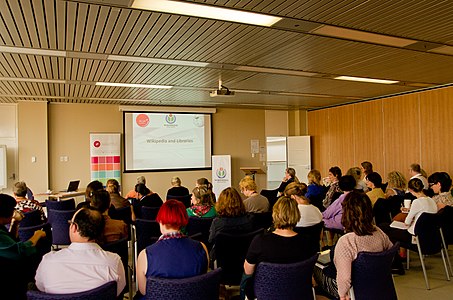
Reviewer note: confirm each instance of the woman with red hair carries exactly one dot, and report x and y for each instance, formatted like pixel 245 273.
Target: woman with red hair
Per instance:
pixel 174 255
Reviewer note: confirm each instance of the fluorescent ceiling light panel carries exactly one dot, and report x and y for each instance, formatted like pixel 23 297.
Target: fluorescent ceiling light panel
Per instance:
pixel 443 50
pixel 32 51
pixel 135 85
pixel 362 79
pixel 362 36
pixel 161 61
pixel 38 80
pixel 206 11
pixel 274 71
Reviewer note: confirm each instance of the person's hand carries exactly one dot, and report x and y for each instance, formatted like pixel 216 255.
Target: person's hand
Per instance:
pixel 39 234
pixel 18 216
pixel 404 210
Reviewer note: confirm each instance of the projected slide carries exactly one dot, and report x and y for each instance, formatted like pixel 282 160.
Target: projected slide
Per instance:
pixel 162 141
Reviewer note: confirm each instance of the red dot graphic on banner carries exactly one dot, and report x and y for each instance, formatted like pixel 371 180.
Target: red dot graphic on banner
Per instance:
pixel 142 120
pixel 97 144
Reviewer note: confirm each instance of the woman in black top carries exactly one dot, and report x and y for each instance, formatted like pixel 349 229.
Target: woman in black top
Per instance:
pixel 290 176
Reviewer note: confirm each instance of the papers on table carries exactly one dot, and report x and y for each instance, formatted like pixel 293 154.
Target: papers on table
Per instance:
pixel 323 259
pixel 399 225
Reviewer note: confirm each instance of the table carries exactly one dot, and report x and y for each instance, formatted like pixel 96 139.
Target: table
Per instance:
pixel 62 195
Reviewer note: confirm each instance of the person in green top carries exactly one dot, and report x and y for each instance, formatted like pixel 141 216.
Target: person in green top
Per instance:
pixel 202 203
pixel 10 247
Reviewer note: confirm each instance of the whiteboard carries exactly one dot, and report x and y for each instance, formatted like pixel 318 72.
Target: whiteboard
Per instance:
pixel 3 179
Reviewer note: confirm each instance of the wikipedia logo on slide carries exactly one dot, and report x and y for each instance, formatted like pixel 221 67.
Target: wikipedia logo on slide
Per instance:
pixel 170 119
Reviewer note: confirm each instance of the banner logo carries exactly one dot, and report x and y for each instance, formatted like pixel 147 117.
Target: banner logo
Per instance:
pixel 142 120
pixel 171 119
pixel 221 172
pixel 97 144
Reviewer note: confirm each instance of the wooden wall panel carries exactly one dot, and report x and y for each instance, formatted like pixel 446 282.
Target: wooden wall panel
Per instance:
pixel 436 110
pixel 369 134
pixel 341 141
pixel 401 133
pixel 318 129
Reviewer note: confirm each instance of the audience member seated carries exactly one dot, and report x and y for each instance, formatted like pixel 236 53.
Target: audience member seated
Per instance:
pixel 440 183
pixel 83 265
pixel 396 184
pixel 91 187
pixel 177 189
pixel 367 168
pixel 204 181
pixel 10 246
pixel 255 203
pixel 145 198
pixel 232 216
pixel 174 255
pixel 316 191
pixel 114 230
pixel 374 183
pixel 22 203
pixel 421 204
pixel 290 176
pixel 202 203
pixel 356 172
pixel 361 236
pixel 415 171
pixel 283 245
pixel 309 214
pixel 334 190
pixel 133 193
pixel 113 188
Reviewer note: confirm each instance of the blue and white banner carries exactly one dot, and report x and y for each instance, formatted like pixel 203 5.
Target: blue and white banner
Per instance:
pixel 221 173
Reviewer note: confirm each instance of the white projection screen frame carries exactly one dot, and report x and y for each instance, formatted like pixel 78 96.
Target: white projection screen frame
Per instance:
pixel 164 141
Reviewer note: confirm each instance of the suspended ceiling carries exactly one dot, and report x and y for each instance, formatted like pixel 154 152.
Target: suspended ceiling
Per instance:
pixel 291 65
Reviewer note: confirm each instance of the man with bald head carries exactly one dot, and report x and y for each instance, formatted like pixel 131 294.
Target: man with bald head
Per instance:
pixel 83 265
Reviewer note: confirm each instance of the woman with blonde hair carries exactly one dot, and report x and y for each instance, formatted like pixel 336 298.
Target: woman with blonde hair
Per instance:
pixel 357 174
pixel 202 203
pixel 309 214
pixel 283 245
pixel 177 189
pixel 316 191
pixel 231 215
pixel 397 184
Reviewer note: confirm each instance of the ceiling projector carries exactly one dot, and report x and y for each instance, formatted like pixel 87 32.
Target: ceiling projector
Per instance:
pixel 223 91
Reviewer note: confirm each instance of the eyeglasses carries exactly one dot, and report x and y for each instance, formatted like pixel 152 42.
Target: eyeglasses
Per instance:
pixel 71 222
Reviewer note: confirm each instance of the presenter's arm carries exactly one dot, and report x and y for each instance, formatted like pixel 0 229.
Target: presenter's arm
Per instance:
pixel 142 265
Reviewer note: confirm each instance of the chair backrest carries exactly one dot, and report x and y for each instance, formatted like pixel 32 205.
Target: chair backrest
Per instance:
pixel 104 292
pixel 427 231
pixel 60 226
pixel 68 204
pixel 271 196
pixel 13 281
pixel 184 199
pixel 313 233
pixel 285 281
pixel 147 232
pixel 31 218
pixel 119 247
pixel 230 252
pixel 149 213
pixel 123 213
pixel 262 220
pixel 199 225
pixel 44 245
pixel 446 222
pixel 371 275
pixel 202 287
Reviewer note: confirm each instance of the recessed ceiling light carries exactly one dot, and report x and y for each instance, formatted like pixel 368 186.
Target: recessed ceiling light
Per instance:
pixel 362 79
pixel 135 85
pixel 37 80
pixel 206 11
pixel 162 61
pixel 274 71
pixel 362 36
pixel 32 51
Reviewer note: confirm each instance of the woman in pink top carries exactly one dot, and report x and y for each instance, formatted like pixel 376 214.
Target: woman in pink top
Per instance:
pixel 361 236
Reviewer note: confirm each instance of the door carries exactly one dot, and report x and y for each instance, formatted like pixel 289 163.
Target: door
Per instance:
pixel 8 137
pixel 299 156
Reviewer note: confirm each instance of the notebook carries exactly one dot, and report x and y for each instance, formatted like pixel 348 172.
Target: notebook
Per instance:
pixel 73 186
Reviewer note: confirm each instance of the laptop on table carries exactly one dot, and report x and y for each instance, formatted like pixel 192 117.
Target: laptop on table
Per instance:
pixel 72 187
